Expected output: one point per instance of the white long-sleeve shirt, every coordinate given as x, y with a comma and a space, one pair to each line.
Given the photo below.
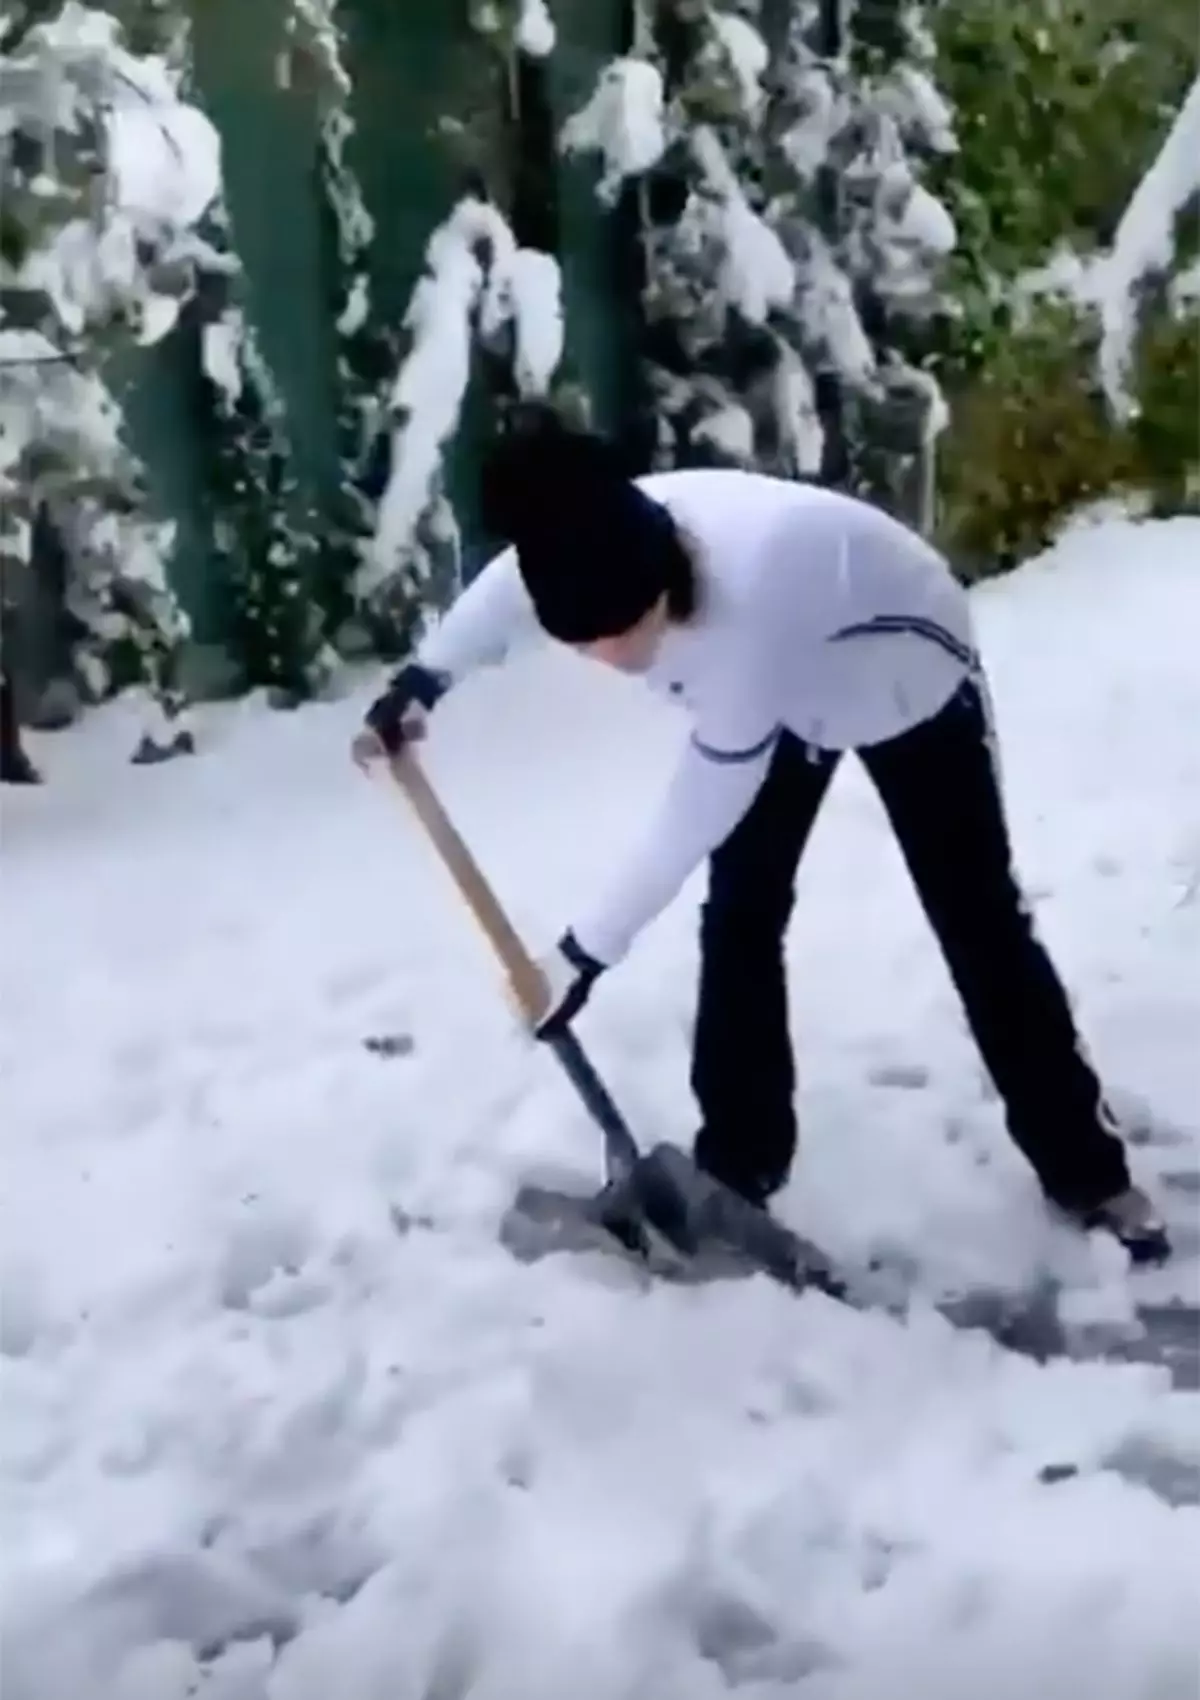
818, 614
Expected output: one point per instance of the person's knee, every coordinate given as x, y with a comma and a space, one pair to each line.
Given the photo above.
745, 915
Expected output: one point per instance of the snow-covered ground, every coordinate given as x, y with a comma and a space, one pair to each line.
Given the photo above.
282, 1422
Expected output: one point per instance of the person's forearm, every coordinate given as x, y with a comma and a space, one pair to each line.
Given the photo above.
491, 615
708, 796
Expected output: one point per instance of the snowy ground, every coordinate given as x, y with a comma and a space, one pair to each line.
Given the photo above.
281, 1422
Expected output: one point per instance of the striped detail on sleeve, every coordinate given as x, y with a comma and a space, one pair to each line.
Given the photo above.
884, 625
726, 757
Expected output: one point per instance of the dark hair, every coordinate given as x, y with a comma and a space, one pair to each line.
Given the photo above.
683, 579
538, 469
594, 549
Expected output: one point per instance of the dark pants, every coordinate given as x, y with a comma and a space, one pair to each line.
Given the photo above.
939, 786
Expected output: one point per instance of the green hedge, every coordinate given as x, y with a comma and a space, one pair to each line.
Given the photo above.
1061, 107
1033, 437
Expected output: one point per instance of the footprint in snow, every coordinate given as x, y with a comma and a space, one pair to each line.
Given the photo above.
348, 985
900, 1076
263, 1247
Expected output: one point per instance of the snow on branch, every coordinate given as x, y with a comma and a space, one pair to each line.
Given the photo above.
312, 34
121, 254
755, 271
622, 121
364, 349
477, 282
428, 394
525, 24
1144, 244
62, 449
536, 34
747, 54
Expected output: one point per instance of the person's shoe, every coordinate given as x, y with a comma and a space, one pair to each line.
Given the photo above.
756, 1188
1131, 1218
17, 769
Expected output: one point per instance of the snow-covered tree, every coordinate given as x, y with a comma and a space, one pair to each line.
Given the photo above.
289, 568
104, 173
314, 55
66, 456
264, 535
786, 227
896, 237
521, 37
487, 306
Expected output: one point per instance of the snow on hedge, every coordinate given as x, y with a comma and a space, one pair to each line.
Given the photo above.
756, 284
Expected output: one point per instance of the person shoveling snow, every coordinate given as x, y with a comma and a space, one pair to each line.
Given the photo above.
794, 624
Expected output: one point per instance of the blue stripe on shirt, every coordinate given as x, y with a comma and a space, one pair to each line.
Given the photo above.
748, 754
883, 625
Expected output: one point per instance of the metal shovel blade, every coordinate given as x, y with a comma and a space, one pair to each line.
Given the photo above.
670, 1217
699, 1214
543, 1220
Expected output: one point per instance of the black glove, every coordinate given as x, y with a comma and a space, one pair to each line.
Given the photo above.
569, 973
409, 696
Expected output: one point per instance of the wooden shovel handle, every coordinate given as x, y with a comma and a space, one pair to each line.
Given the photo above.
524, 976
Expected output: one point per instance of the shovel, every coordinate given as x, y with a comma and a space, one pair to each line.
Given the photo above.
657, 1204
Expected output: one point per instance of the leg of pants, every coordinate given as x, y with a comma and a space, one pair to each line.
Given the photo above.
939, 784
743, 1074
